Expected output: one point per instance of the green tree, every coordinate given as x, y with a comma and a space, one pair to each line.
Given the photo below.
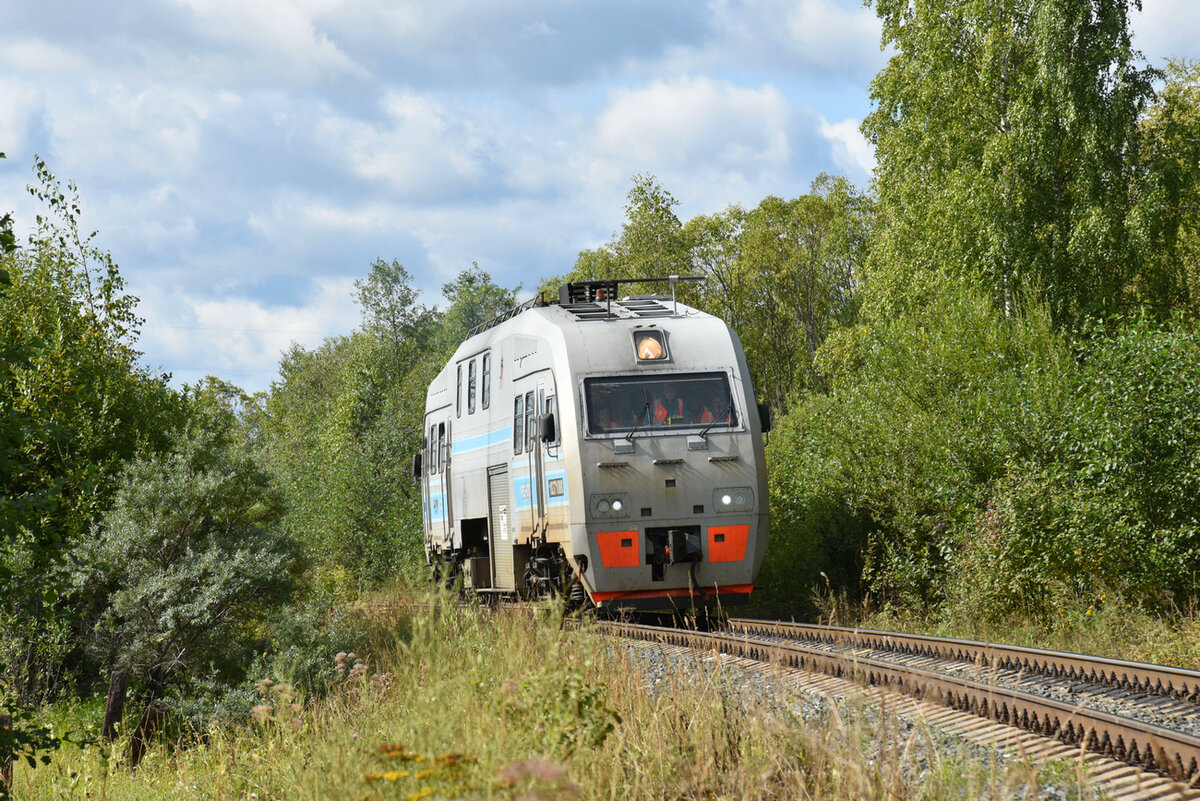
344, 421
801, 260
473, 299
652, 242
716, 252
187, 560
1004, 133
391, 312
83, 405
1169, 192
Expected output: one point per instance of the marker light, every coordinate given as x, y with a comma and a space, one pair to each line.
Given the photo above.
609, 505
733, 499
649, 346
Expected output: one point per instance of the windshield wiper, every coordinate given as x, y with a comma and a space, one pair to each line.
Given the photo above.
640, 417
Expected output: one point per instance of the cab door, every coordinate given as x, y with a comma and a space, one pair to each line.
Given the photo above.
535, 394
437, 483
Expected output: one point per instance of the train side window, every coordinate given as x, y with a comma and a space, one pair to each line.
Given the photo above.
530, 421
552, 408
458, 395
433, 465
518, 423
442, 445
471, 387
487, 380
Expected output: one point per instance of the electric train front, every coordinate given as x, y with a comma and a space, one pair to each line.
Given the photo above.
673, 462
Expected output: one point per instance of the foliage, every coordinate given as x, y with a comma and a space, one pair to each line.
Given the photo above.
989, 464
77, 404
569, 712
473, 299
1169, 192
188, 559
783, 275
652, 242
886, 469
795, 277
1004, 134
342, 425
1110, 501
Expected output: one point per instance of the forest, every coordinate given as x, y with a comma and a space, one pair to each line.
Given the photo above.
984, 368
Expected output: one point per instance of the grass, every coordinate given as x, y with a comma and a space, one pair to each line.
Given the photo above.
454, 703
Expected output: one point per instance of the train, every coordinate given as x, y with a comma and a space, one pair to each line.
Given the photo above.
603, 447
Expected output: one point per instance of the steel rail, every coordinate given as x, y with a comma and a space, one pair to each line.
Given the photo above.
1142, 744
1159, 680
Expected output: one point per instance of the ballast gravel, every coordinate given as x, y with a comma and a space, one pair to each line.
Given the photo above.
1168, 713
670, 670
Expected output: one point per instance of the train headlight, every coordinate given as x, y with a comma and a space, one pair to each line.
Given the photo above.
609, 505
649, 346
733, 499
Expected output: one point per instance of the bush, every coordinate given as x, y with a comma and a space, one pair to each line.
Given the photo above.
987, 462
889, 467
1113, 500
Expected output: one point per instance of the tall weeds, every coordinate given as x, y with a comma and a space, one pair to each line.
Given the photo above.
445, 702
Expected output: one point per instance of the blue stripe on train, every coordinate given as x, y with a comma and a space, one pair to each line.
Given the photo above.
499, 436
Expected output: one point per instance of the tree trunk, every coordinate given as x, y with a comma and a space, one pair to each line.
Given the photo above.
152, 718
118, 686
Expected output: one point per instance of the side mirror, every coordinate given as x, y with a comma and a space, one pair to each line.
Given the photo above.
548, 428
764, 417
416, 466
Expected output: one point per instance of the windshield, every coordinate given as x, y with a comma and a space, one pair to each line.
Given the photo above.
657, 402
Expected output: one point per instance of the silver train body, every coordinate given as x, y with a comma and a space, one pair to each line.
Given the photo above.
585, 447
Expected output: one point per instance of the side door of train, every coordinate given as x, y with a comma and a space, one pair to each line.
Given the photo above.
436, 480
535, 458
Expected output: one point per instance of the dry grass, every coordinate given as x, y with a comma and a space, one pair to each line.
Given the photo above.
450, 703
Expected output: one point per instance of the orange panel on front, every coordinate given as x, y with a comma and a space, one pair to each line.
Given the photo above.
727, 543
618, 548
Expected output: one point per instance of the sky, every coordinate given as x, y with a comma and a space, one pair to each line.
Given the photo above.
245, 161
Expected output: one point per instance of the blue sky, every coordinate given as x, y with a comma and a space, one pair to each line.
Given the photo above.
246, 160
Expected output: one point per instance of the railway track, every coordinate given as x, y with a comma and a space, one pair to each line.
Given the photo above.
1141, 715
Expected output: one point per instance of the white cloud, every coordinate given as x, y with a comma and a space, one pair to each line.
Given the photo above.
834, 36
142, 131
22, 103
851, 150
242, 154
238, 338
423, 150
156, 218
808, 38
276, 35
697, 121
40, 56
1167, 28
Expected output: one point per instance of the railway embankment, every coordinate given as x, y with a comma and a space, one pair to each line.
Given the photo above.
441, 701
